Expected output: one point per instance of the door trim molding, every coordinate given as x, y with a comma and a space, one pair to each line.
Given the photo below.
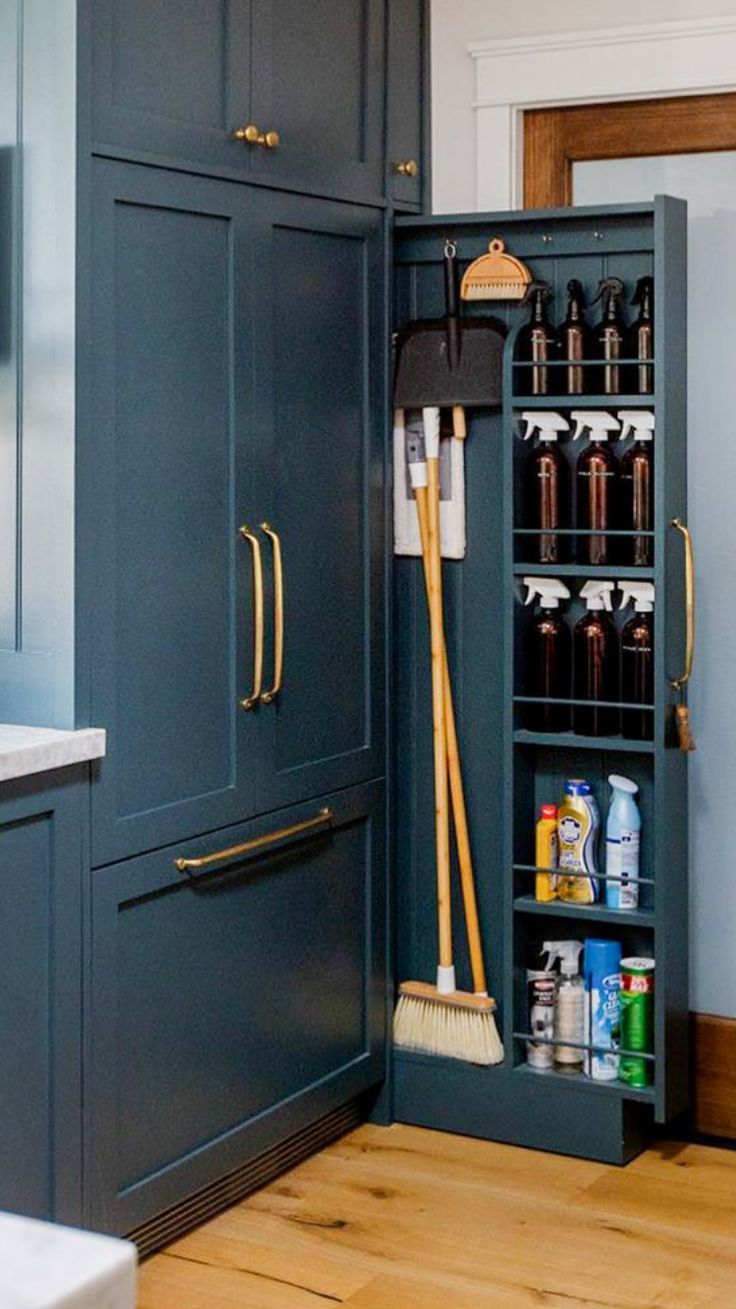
654, 60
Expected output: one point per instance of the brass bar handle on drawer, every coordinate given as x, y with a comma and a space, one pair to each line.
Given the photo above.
250, 701
321, 819
278, 615
679, 682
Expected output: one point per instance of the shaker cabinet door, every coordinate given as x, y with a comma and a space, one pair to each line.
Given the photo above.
232, 1008
319, 365
171, 79
408, 100
168, 631
318, 80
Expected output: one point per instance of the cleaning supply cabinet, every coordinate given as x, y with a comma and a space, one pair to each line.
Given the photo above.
234, 514
517, 755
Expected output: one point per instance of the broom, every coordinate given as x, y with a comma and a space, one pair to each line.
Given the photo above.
440, 1019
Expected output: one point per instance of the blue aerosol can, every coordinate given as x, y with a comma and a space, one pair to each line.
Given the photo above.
602, 980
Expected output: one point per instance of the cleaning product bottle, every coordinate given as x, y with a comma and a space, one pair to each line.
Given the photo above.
610, 335
637, 1020
596, 479
637, 661
541, 984
545, 884
548, 657
537, 342
602, 982
569, 1004
623, 839
578, 825
575, 341
637, 483
547, 484
596, 663
641, 337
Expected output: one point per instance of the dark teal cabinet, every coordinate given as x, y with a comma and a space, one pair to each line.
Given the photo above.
173, 81
40, 995
235, 366
407, 132
229, 1008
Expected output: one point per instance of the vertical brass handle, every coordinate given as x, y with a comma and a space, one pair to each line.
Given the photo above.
278, 615
251, 700
679, 682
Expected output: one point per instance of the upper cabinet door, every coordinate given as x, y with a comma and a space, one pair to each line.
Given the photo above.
167, 580
320, 348
408, 102
318, 81
171, 79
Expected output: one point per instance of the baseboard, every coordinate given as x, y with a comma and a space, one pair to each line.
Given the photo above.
228, 1190
714, 1075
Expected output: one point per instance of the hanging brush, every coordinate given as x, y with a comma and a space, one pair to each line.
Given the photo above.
495, 276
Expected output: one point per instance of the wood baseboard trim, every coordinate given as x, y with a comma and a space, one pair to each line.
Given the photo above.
714, 1075
226, 1191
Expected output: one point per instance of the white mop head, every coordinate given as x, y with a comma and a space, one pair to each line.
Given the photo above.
454, 1025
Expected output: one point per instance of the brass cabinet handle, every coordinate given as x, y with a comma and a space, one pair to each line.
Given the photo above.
324, 817
278, 615
407, 168
252, 135
251, 700
679, 682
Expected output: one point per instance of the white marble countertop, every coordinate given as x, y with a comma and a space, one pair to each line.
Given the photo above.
26, 750
43, 1266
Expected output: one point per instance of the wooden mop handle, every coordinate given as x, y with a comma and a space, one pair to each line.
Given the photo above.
465, 861
442, 817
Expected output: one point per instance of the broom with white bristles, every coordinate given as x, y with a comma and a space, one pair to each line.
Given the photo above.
440, 1019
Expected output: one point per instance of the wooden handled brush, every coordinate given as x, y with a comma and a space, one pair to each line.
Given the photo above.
495, 276
440, 1019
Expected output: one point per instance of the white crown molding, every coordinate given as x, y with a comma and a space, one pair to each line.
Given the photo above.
688, 57
667, 30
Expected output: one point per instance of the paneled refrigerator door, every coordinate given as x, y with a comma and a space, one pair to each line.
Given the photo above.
319, 343
168, 632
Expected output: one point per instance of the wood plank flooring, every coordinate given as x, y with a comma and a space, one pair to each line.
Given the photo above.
402, 1218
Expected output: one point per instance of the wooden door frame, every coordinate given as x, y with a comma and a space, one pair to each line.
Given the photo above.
640, 62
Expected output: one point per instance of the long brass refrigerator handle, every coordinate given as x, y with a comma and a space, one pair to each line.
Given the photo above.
679, 682
321, 819
278, 615
250, 701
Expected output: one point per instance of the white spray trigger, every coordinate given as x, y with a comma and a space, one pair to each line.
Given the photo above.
641, 593
640, 421
549, 589
599, 421
547, 421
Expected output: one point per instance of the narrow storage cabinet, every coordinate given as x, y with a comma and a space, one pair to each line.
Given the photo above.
511, 766
231, 1004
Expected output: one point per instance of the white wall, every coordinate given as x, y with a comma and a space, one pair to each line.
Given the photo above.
456, 23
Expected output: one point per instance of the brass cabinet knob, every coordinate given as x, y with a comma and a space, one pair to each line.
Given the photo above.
407, 168
252, 135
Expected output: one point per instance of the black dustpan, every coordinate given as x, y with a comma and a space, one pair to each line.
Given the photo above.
449, 361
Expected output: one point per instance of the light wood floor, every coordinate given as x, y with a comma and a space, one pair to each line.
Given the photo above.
401, 1218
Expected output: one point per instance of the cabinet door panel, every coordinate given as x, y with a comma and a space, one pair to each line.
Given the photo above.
318, 79
169, 576
231, 1010
319, 370
40, 998
408, 101
172, 78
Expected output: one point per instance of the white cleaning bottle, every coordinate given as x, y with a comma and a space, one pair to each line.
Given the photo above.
623, 839
569, 1022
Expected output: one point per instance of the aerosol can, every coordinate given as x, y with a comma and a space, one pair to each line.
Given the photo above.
637, 660
547, 484
549, 657
637, 483
596, 479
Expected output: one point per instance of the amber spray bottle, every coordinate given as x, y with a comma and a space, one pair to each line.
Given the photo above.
575, 342
538, 342
548, 657
641, 337
547, 485
637, 484
610, 335
596, 663
637, 661
596, 485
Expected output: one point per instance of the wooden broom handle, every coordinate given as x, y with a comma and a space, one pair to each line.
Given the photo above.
442, 816
457, 795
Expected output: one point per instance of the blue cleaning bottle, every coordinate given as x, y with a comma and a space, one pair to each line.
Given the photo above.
623, 839
602, 980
